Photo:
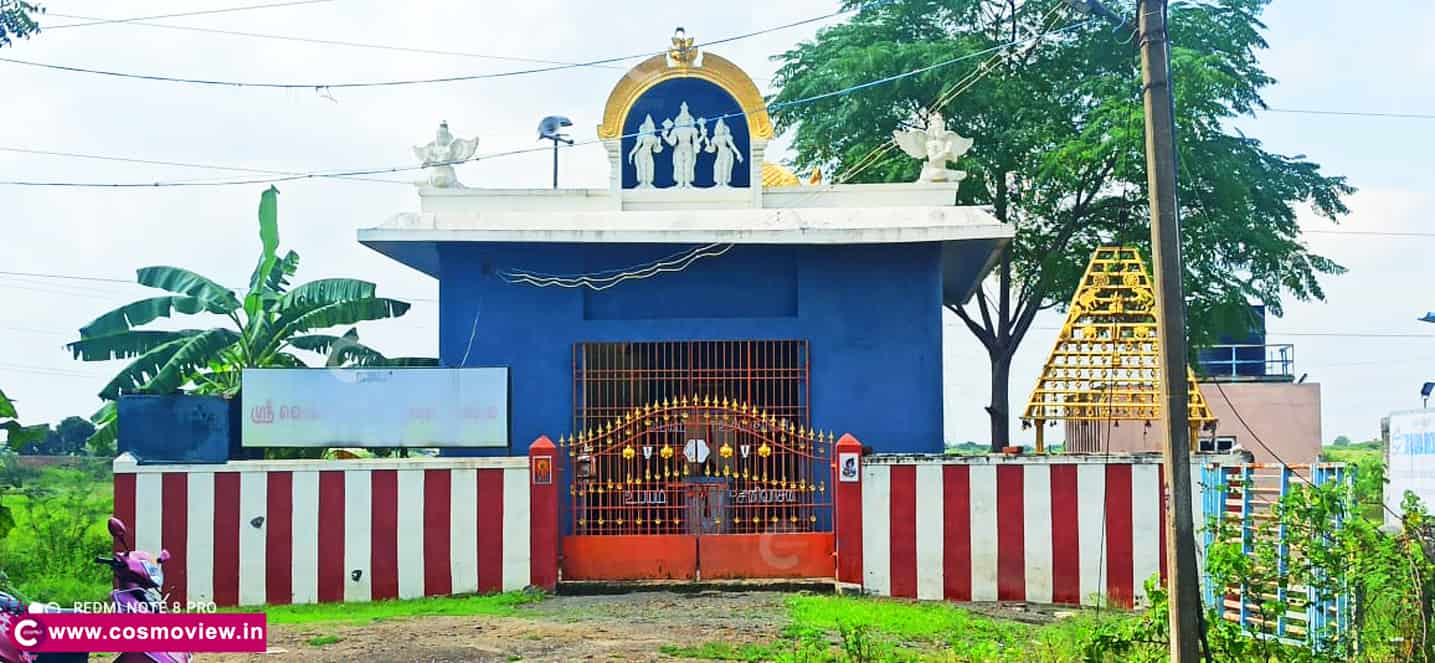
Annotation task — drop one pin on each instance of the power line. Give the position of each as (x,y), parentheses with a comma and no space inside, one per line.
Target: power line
(375,171)
(1393,362)
(1272,452)
(33,330)
(1351,334)
(337,42)
(418,81)
(1372,233)
(1398,116)
(50,370)
(181,164)
(225,10)
(103,279)
(52,291)
(1337,334)
(70,277)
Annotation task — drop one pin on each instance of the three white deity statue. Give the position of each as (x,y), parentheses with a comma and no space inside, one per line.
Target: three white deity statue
(644,147)
(722,143)
(439,156)
(687,137)
(936,146)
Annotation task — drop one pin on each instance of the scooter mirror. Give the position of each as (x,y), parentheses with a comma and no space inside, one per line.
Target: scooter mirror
(163,556)
(118,531)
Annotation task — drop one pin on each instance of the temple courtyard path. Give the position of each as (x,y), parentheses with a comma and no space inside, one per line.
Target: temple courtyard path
(629,627)
(731,624)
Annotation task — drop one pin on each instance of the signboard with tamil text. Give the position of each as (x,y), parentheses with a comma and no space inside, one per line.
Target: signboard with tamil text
(355,407)
(1410,459)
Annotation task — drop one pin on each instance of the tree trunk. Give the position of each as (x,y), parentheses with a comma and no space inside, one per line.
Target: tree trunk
(999,410)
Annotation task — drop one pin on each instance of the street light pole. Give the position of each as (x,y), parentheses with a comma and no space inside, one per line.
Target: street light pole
(1182,582)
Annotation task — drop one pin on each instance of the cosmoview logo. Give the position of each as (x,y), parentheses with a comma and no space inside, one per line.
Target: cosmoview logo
(26,633)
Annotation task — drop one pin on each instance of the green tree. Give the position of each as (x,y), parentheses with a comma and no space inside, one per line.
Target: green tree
(1341,441)
(74,432)
(16,20)
(1059,151)
(265,328)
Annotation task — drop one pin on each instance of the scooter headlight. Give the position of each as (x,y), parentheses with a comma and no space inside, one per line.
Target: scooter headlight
(156,574)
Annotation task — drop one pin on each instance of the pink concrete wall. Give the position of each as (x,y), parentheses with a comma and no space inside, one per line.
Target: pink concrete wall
(1285,416)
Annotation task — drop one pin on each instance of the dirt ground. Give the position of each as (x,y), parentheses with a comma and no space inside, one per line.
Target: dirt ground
(629,627)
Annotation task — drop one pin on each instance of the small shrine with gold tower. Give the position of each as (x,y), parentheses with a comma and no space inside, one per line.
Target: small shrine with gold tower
(1105,368)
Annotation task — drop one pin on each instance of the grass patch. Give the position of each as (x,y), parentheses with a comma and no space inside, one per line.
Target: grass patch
(902,621)
(320,641)
(358,613)
(841,628)
(722,651)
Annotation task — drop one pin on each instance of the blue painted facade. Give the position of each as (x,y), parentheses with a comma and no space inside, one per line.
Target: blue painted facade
(871,315)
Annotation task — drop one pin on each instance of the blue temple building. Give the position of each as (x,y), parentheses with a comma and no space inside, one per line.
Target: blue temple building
(701,271)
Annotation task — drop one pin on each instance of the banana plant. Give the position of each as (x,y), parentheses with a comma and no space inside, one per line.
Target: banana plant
(17,436)
(267,328)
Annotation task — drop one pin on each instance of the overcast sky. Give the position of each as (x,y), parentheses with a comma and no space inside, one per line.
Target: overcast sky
(1362,345)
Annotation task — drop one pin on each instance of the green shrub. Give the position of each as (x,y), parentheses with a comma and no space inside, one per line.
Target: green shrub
(59,527)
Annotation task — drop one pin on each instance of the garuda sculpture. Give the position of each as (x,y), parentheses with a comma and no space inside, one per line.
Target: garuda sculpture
(439,156)
(936,145)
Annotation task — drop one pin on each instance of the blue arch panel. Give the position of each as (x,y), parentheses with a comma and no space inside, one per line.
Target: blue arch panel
(705,100)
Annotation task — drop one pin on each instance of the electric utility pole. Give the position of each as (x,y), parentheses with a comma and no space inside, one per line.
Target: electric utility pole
(1181,581)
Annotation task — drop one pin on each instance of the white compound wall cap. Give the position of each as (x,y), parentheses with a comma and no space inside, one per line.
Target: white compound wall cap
(817,225)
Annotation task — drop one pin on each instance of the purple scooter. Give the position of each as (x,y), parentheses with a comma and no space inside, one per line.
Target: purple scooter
(138,578)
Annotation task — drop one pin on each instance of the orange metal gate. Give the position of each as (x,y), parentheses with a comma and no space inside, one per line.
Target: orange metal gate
(698,488)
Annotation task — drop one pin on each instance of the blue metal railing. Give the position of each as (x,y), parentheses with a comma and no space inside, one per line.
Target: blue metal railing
(1227,493)
(1247,361)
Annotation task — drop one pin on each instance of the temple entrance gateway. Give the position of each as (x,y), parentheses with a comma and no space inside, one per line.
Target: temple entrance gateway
(696,485)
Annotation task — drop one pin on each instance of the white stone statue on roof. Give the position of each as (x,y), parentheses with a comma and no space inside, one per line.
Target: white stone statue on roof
(645,146)
(936,145)
(687,137)
(722,143)
(439,156)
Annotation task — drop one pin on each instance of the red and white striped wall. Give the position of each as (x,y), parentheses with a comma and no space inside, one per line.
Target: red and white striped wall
(1058,529)
(274,532)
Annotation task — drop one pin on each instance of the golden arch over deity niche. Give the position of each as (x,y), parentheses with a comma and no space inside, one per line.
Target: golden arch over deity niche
(683,60)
